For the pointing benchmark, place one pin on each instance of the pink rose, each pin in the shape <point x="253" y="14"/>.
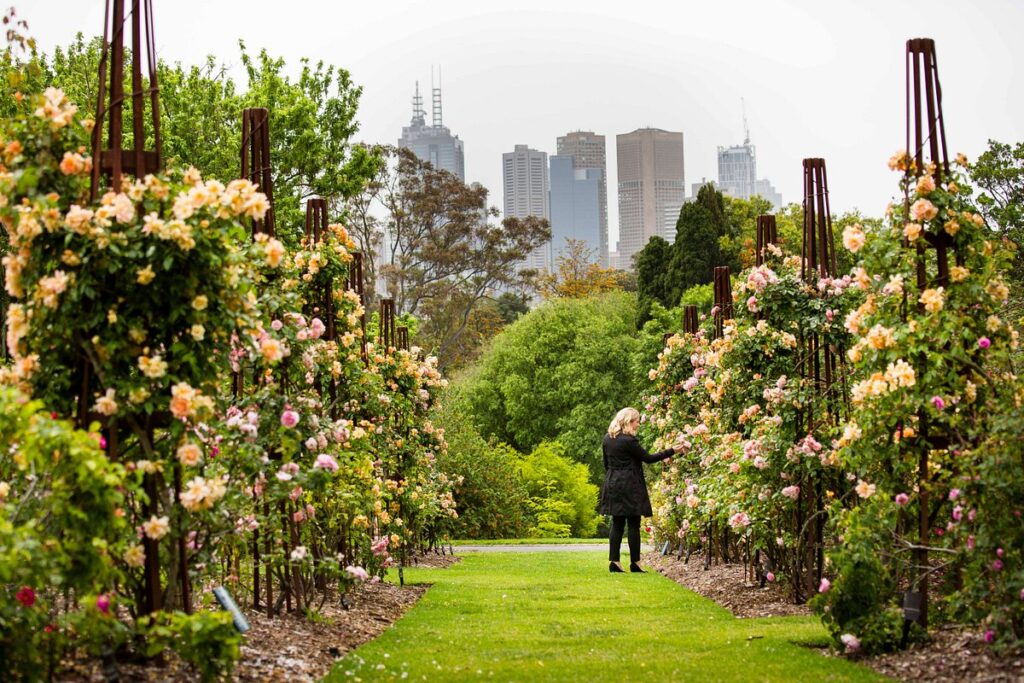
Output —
<point x="954" y="494"/>
<point x="938" y="402"/>
<point x="289" y="418"/>
<point x="997" y="566"/>
<point x="770" y="576"/>
<point x="103" y="603"/>
<point x="902" y="499"/>
<point x="326" y="462"/>
<point x="792" y="492"/>
<point x="990" y="636"/>
<point x="825" y="586"/>
<point x="984" y="342"/>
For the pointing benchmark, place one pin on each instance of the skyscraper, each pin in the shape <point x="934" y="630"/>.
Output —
<point x="651" y="188"/>
<point x="737" y="172"/>
<point x="525" y="179"/>
<point x="575" y="206"/>
<point x="588" y="152"/>
<point x="434" y="143"/>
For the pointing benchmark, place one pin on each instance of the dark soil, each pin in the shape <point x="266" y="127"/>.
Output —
<point x="951" y="653"/>
<point x="289" y="647"/>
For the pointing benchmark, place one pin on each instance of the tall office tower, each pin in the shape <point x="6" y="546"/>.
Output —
<point x="651" y="188"/>
<point x="588" y="152"/>
<point x="575" y="207"/>
<point x="737" y="170"/>
<point x="434" y="143"/>
<point x="525" y="176"/>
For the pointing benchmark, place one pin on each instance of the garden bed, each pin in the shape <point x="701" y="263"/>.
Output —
<point x="724" y="584"/>
<point x="290" y="647"/>
<point x="952" y="654"/>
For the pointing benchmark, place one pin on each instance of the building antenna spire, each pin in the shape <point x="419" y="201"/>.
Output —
<point x="436" y="96"/>
<point x="746" y="128"/>
<point x="418" y="115"/>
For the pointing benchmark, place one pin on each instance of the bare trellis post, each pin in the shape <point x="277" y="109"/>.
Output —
<point x="690" y="321"/>
<point x="256" y="162"/>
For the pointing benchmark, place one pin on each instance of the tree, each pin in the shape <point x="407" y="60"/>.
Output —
<point x="652" y="277"/>
<point x="442" y="256"/>
<point x="999" y="173"/>
<point x="696" y="252"/>
<point x="312" y="121"/>
<point x="559" y="373"/>
<point x="579" y="274"/>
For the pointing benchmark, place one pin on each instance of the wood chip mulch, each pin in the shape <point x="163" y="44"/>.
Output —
<point x="290" y="647"/>
<point x="724" y="584"/>
<point x="951" y="654"/>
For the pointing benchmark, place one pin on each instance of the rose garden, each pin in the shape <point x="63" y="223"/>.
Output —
<point x="207" y="403"/>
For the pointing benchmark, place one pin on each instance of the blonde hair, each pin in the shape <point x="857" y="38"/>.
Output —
<point x="622" y="424"/>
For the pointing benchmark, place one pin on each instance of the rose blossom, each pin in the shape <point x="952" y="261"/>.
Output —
<point x="984" y="342"/>
<point x="357" y="573"/>
<point x="770" y="576"/>
<point x="938" y="402"/>
<point x="997" y="566"/>
<point x="26" y="596"/>
<point x="902" y="498"/>
<point x="289" y="418"/>
<point x="851" y="642"/>
<point x="990" y="636"/>
<point x="326" y="462"/>
<point x="103" y="603"/>
<point x="791" y="492"/>
<point x="954" y="494"/>
<point x="825" y="586"/>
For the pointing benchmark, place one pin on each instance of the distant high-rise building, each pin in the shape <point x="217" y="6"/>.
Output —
<point x="737" y="173"/>
<point x="525" y="178"/>
<point x="588" y="152"/>
<point x="651" y="188"/>
<point x="737" y="170"/>
<point x="574" y="206"/>
<point x="434" y="143"/>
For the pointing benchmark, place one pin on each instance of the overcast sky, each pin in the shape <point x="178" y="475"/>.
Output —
<point x="819" y="78"/>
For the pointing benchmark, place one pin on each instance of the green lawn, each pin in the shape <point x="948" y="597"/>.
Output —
<point x="532" y="541"/>
<point x="560" y="616"/>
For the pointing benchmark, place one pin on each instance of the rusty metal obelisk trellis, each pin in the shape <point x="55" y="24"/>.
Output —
<point x="256" y="161"/>
<point x="386" y="333"/>
<point x="819" y="363"/>
<point x="111" y="161"/>
<point x="690" y="320"/>
<point x="723" y="297"/>
<point x="767" y="233"/>
<point x="316" y="228"/>
<point x="926" y="145"/>
<point x="355" y="283"/>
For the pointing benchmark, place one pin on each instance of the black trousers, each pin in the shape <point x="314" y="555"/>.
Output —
<point x="615" y="537"/>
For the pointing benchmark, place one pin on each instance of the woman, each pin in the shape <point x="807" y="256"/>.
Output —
<point x="624" y="494"/>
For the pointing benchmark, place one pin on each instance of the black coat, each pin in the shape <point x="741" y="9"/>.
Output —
<point x="625" y="490"/>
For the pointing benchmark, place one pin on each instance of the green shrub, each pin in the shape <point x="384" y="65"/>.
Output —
<point x="562" y="499"/>
<point x="489" y="492"/>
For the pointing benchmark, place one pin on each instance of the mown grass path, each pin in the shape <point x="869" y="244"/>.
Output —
<point x="560" y="616"/>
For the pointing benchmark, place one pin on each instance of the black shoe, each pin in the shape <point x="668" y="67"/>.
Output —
<point x="635" y="568"/>
<point x="615" y="568"/>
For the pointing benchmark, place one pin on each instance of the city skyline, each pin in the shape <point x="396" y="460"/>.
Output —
<point x="511" y="77"/>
